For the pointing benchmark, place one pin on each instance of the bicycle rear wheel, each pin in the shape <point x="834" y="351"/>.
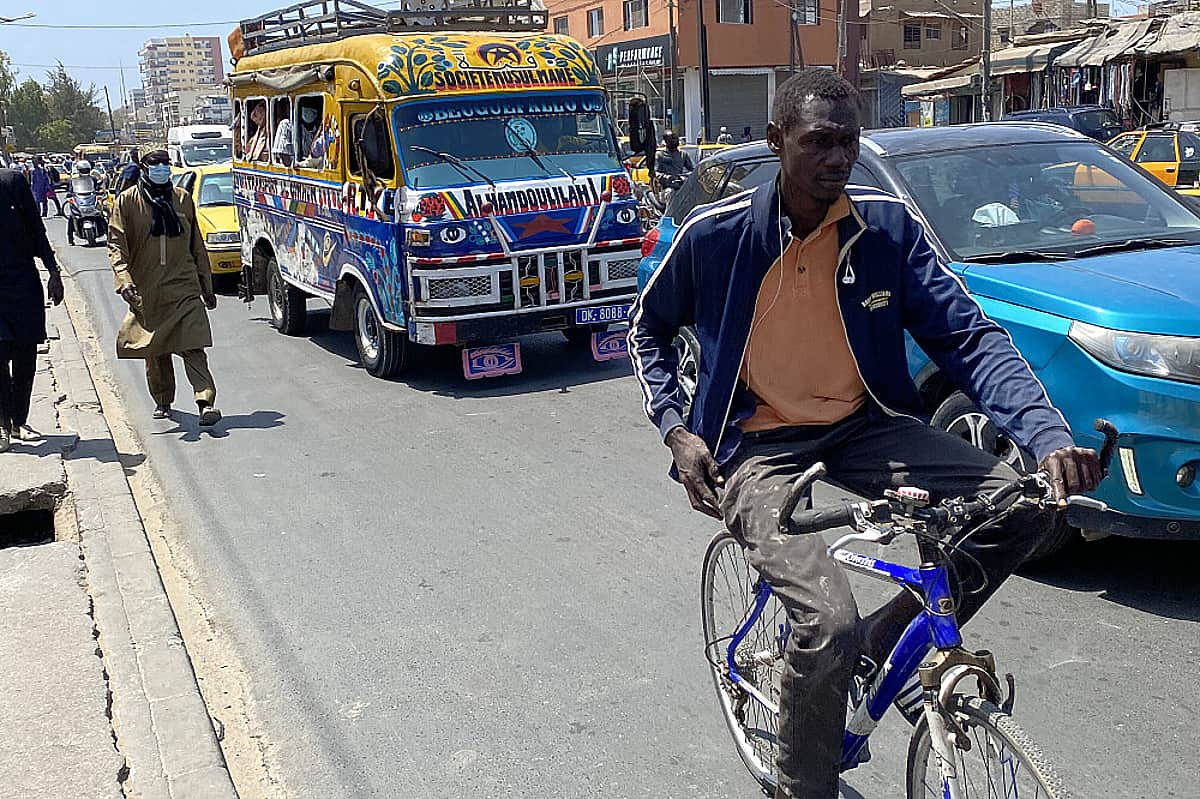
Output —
<point x="1002" y="761"/>
<point x="727" y="596"/>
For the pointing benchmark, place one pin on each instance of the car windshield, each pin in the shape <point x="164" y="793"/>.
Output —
<point x="1095" y="120"/>
<point x="567" y="133"/>
<point x="213" y="152"/>
<point x="1045" y="198"/>
<point x="216" y="190"/>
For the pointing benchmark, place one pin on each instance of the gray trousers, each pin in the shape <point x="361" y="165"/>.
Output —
<point x="865" y="458"/>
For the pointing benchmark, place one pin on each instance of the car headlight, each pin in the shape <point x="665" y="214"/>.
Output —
<point x="1171" y="357"/>
<point x="224" y="237"/>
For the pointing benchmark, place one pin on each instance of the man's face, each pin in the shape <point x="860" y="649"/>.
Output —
<point x="817" y="153"/>
<point x="258" y="115"/>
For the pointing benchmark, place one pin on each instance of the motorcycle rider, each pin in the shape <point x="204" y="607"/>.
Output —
<point x="83" y="170"/>
<point x="673" y="162"/>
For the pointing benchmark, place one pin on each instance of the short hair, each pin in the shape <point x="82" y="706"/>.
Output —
<point x="807" y="84"/>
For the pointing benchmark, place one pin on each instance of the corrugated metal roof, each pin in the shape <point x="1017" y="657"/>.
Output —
<point x="939" y="15"/>
<point x="1031" y="58"/>
<point x="958" y="80"/>
<point x="1180" y="33"/>
<point x="1098" y="51"/>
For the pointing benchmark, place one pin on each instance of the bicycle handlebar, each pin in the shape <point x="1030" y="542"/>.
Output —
<point x="816" y="520"/>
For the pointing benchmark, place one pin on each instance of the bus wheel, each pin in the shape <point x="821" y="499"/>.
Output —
<point x="289" y="310"/>
<point x="383" y="352"/>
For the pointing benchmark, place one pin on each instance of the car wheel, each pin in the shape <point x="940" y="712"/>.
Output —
<point x="289" y="312"/>
<point x="687" y="347"/>
<point x="383" y="352"/>
<point x="959" y="417"/>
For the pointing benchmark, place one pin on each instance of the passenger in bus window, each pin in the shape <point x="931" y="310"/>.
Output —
<point x="257" y="148"/>
<point x="311" y="136"/>
<point x="283" y="148"/>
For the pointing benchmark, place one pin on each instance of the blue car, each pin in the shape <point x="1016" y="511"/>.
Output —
<point x="1090" y="264"/>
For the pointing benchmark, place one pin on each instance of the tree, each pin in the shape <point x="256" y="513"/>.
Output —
<point x="56" y="136"/>
<point x="27" y="111"/>
<point x="8" y="78"/>
<point x="70" y="102"/>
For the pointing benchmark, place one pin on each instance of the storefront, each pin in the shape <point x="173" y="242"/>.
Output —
<point x="638" y="67"/>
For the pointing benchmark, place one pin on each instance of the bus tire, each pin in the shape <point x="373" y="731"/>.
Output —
<point x="289" y="311"/>
<point x="382" y="352"/>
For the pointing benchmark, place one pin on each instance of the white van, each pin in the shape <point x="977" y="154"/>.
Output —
<point x="199" y="145"/>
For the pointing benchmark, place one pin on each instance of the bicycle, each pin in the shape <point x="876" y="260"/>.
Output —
<point x="746" y="655"/>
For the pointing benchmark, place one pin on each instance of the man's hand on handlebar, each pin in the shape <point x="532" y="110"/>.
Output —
<point x="697" y="470"/>
<point x="1072" y="470"/>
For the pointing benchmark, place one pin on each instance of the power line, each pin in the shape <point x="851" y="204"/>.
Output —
<point x="120" y="27"/>
<point x="73" y="66"/>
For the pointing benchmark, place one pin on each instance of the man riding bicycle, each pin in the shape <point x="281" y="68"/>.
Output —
<point x="800" y="293"/>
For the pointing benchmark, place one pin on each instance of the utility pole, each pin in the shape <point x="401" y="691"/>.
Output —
<point x="702" y="50"/>
<point x="124" y="100"/>
<point x="111" y="125"/>
<point x="840" y="57"/>
<point x="670" y="110"/>
<point x="985" y="64"/>
<point x="791" y="39"/>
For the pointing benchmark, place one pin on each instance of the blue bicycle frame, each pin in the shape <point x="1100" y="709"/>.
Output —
<point x="935" y="627"/>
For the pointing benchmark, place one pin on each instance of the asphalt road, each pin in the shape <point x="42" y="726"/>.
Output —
<point x="442" y="588"/>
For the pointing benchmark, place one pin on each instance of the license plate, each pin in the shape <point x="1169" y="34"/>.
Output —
<point x="601" y="314"/>
<point x="610" y="346"/>
<point x="493" y="361"/>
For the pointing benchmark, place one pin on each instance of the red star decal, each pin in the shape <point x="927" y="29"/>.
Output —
<point x="541" y="224"/>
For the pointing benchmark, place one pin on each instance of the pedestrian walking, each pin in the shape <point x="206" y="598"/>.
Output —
<point x="724" y="137"/>
<point x="39" y="182"/>
<point x="161" y="270"/>
<point x="22" y="304"/>
<point x="55" y="177"/>
<point x="746" y="137"/>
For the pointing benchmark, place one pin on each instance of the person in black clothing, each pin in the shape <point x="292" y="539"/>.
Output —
<point x="672" y="160"/>
<point x="22" y="304"/>
<point x="55" y="178"/>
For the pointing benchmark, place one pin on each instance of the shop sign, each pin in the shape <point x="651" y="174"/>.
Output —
<point x="652" y="52"/>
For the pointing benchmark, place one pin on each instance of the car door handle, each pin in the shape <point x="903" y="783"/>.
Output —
<point x="1170" y="169"/>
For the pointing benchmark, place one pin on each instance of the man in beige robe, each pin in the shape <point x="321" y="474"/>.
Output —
<point x="161" y="270"/>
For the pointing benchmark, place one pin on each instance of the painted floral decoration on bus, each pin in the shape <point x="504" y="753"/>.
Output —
<point x="454" y="64"/>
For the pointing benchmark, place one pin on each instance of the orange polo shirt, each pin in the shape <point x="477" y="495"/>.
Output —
<point x="798" y="362"/>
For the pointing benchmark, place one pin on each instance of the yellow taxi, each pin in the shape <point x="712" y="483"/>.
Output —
<point x="639" y="173"/>
<point x="211" y="188"/>
<point x="1171" y="155"/>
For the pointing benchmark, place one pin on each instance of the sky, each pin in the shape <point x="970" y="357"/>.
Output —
<point x="107" y="44"/>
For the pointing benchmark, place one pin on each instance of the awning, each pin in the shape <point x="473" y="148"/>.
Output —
<point x="1031" y="58"/>
<point x="939" y="15"/>
<point x="941" y="86"/>
<point x="1114" y="43"/>
<point x="1180" y="33"/>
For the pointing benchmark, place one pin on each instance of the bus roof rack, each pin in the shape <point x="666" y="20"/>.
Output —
<point x="317" y="21"/>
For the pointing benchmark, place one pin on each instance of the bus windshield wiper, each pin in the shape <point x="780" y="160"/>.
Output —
<point x="528" y="150"/>
<point x="461" y="166"/>
<point x="1133" y="244"/>
<point x="1016" y="257"/>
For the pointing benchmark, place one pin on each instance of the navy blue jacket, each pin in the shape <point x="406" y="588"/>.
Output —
<point x="889" y="280"/>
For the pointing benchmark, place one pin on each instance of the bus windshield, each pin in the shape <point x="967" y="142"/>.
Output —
<point x="210" y="152"/>
<point x="457" y="142"/>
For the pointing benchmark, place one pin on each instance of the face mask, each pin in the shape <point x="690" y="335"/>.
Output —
<point x="159" y="173"/>
<point x="308" y="115"/>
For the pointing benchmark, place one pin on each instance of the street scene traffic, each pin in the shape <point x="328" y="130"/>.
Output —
<point x="471" y="399"/>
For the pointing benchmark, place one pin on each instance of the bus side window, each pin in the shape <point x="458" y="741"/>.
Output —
<point x="312" y="132"/>
<point x="376" y="146"/>
<point x="258" y="133"/>
<point x="237" y="128"/>
<point x="282" y="145"/>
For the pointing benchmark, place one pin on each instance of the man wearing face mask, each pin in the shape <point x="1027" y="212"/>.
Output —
<point x="162" y="271"/>
<point x="312" y="139"/>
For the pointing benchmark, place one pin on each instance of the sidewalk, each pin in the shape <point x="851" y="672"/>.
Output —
<point x="101" y="700"/>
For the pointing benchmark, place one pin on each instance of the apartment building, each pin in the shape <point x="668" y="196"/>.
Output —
<point x="748" y="54"/>
<point x="203" y="105"/>
<point x="178" y="63"/>
<point x="920" y="33"/>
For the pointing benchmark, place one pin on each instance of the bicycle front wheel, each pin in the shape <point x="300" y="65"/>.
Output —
<point x="727" y="598"/>
<point x="1002" y="760"/>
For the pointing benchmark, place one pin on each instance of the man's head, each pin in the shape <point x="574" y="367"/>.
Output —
<point x="814" y="131"/>
<point x="37" y="161"/>
<point x="156" y="158"/>
<point x="258" y="114"/>
<point x="671" y="140"/>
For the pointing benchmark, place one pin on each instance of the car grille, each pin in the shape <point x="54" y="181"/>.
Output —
<point x="623" y="270"/>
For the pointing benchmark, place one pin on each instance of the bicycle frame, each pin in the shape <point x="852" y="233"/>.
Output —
<point x="935" y="627"/>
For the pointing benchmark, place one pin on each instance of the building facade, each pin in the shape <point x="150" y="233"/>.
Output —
<point x="748" y="53"/>
<point x="176" y="64"/>
<point x="204" y="105"/>
<point x="1044" y="16"/>
<point x="920" y="33"/>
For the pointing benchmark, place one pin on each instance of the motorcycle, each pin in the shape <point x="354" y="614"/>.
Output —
<point x="87" y="217"/>
<point x="656" y="197"/>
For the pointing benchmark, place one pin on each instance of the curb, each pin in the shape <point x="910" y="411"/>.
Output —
<point x="161" y="722"/>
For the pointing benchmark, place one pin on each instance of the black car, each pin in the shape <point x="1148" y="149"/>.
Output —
<point x="1096" y="121"/>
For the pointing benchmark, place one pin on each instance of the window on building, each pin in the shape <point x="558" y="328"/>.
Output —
<point x="808" y="12"/>
<point x="312" y="132"/>
<point x="635" y="14"/>
<point x="737" y="12"/>
<point x="962" y="38"/>
<point x="561" y="26"/>
<point x="372" y="130"/>
<point x="933" y="31"/>
<point x="912" y="36"/>
<point x="595" y="22"/>
<point x="1004" y="33"/>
